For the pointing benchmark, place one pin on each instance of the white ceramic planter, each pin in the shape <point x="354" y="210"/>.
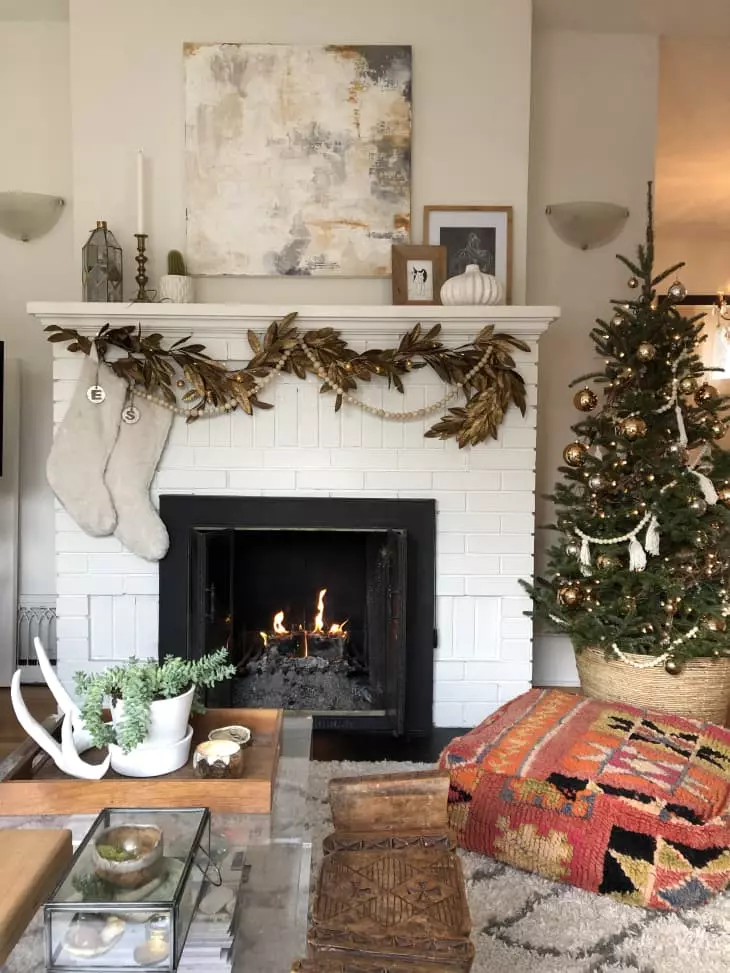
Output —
<point x="472" y="287"/>
<point x="147" y="761"/>
<point x="168" y="721"/>
<point x="176" y="289"/>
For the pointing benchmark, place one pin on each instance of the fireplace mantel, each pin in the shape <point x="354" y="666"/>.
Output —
<point x="380" y="322"/>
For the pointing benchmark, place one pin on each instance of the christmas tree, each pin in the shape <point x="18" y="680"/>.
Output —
<point x="643" y="560"/>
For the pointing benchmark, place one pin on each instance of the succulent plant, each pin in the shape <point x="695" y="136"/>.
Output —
<point x="176" y="264"/>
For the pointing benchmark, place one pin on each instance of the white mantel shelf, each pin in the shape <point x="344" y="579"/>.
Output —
<point x="220" y="320"/>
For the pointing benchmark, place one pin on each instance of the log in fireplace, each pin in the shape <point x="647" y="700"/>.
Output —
<point x="326" y="605"/>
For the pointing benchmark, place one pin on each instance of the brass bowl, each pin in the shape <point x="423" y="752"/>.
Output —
<point x="140" y="849"/>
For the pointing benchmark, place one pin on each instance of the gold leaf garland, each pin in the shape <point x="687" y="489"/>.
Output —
<point x="484" y="370"/>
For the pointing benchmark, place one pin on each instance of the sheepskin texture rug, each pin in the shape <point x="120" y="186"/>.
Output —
<point x="522" y="923"/>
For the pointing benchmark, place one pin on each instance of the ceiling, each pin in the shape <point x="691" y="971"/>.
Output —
<point x="33" y="10"/>
<point x="667" y="17"/>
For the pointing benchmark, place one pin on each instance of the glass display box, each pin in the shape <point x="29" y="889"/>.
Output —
<point x="129" y="895"/>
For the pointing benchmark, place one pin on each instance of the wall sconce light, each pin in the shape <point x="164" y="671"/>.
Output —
<point x="587" y="225"/>
<point x="27" y="216"/>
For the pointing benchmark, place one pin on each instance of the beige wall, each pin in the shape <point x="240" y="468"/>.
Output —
<point x="471" y="92"/>
<point x="693" y="148"/>
<point x="35" y="156"/>
<point x="592" y="137"/>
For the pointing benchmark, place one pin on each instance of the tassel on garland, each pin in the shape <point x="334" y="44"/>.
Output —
<point x="637" y="555"/>
<point x="706" y="485"/>
<point x="651" y="544"/>
<point x="681" y="429"/>
<point x="585" y="554"/>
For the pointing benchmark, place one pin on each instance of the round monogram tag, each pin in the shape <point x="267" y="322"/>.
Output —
<point x="95" y="394"/>
<point x="131" y="415"/>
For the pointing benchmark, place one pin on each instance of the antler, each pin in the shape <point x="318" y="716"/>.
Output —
<point x="74" y="736"/>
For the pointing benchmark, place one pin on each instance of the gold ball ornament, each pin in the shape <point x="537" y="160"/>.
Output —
<point x="570" y="595"/>
<point x="632" y="428"/>
<point x="585" y="400"/>
<point x="572" y="549"/>
<point x="646" y="351"/>
<point x="633" y="283"/>
<point x="698" y="506"/>
<point x="688" y="385"/>
<point x="711" y="623"/>
<point x="704" y="393"/>
<point x="672" y="667"/>
<point x="717" y="430"/>
<point x="608" y="562"/>
<point x="574" y="454"/>
<point x="597" y="481"/>
<point x="677" y="291"/>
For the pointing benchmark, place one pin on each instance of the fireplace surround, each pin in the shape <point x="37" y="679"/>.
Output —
<point x="235" y="562"/>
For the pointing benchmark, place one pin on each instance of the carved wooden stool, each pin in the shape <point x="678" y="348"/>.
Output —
<point x="391" y="895"/>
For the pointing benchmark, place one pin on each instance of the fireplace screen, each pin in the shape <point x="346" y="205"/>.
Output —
<point x="313" y="619"/>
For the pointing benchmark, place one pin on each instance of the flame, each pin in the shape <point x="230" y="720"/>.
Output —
<point x="264" y="638"/>
<point x="319" y="617"/>
<point x="337" y="628"/>
<point x="279" y="624"/>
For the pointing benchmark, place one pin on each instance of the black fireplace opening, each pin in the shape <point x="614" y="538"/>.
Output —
<point x="326" y="606"/>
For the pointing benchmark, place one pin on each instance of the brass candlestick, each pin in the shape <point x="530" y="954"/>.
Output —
<point x="141" y="278"/>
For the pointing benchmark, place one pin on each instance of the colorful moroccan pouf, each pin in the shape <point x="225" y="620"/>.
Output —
<point x="613" y="799"/>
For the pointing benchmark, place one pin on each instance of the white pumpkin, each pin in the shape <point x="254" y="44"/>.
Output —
<point x="472" y="287"/>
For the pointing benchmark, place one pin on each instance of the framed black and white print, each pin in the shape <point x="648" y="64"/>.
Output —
<point x="418" y="273"/>
<point x="479" y="235"/>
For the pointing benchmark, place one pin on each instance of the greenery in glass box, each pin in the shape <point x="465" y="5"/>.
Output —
<point x="139" y="683"/>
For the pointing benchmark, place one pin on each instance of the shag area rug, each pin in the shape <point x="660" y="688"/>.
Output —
<point x="522" y="923"/>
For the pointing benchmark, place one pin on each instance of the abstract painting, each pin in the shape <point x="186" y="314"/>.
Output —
<point x="298" y="159"/>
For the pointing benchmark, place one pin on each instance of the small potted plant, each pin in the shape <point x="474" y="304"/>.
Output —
<point x="150" y="706"/>
<point x="175" y="285"/>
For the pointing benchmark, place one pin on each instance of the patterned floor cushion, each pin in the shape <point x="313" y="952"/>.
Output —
<point x="610" y="798"/>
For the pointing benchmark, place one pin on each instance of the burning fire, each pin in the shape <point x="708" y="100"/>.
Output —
<point x="278" y="625"/>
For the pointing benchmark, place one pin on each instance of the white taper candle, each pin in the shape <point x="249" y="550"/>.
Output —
<point x="140" y="191"/>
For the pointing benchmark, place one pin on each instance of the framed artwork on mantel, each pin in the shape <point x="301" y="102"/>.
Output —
<point x="298" y="158"/>
<point x="418" y="273"/>
<point x="479" y="235"/>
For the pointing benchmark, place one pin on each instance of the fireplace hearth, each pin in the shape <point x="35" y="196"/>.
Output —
<point x="326" y="606"/>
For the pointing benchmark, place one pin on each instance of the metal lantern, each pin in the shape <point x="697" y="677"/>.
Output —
<point x="102" y="266"/>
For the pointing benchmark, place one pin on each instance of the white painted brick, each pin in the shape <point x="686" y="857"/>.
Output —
<point x="531" y="395"/>
<point x="296" y="459"/>
<point x="222" y="458"/>
<point x="124" y="563"/>
<point x="511" y="690"/>
<point x="469" y="480"/>
<point x="518" y="650"/>
<point x="239" y="350"/>
<point x="220" y="431"/>
<point x="467" y="564"/>
<point x="497" y="671"/>
<point x="517" y="524"/>
<point x="198" y="433"/>
<point x="449" y="671"/>
<point x="123" y="627"/>
<point x="285" y="414"/>
<point x="450" y="586"/>
<point x="500" y="543"/>
<point x="516" y="628"/>
<point x="365" y="459"/>
<point x="142" y="584"/>
<point x="464" y="630"/>
<point x="503" y="503"/>
<point x="71" y="563"/>
<point x="446" y="502"/>
<point x="519" y="438"/>
<point x="245" y="481"/>
<point x="241" y="429"/>
<point x="469" y="522"/>
<point x="90" y="584"/>
<point x="516" y="607"/>
<point x="393" y="432"/>
<point x="331" y="480"/>
<point x="475" y="713"/>
<point x="145" y="644"/>
<point x="450" y="543"/>
<point x="486" y="628"/>
<point x="493" y="587"/>
<point x="72" y="628"/>
<point x="102" y="636"/>
<point x="308" y="405"/>
<point x="423" y="459"/>
<point x="75" y="651"/>
<point x="518" y="480"/>
<point x="190" y="480"/>
<point x="466" y="692"/>
<point x="264" y="427"/>
<point x="414" y="398"/>
<point x="370" y="495"/>
<point x="372" y="426"/>
<point x="76" y="541"/>
<point x="491" y="457"/>
<point x="445" y="625"/>
<point x="521" y="565"/>
<point x="330" y="422"/>
<point x="514" y="418"/>
<point x="448" y="714"/>
<point x="381" y="479"/>
<point x="351" y="425"/>
<point x="72" y="605"/>
<point x="179" y="458"/>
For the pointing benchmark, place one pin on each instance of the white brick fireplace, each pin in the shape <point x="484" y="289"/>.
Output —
<point x="107" y="597"/>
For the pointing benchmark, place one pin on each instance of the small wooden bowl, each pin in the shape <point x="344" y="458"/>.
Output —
<point x="218" y="760"/>
<point x="143" y="842"/>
